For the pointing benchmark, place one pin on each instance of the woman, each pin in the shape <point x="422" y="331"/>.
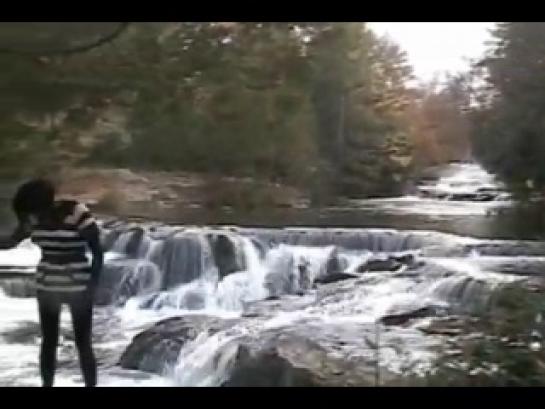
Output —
<point x="64" y="230"/>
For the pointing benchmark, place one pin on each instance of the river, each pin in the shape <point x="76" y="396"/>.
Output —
<point x="322" y="283"/>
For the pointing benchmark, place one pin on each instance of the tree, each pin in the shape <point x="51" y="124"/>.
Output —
<point x="42" y="99"/>
<point x="509" y="124"/>
<point x="50" y="39"/>
<point x="440" y="120"/>
<point x="358" y="85"/>
<point x="298" y="103"/>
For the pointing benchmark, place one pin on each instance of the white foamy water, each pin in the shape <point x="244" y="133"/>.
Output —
<point x="432" y="207"/>
<point x="457" y="179"/>
<point x="26" y="254"/>
<point x="204" y="361"/>
<point x="268" y="266"/>
<point x="19" y="358"/>
<point x="207" y="360"/>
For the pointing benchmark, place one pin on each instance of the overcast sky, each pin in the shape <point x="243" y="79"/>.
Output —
<point x="437" y="47"/>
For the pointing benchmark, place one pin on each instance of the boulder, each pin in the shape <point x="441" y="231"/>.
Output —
<point x="333" y="270"/>
<point x="284" y="361"/>
<point x="225" y="255"/>
<point x="407" y="259"/>
<point x="403" y="318"/>
<point x="303" y="354"/>
<point x="307" y="351"/>
<point x="159" y="346"/>
<point x="388" y="264"/>
<point x="334" y="277"/>
<point x="134" y="243"/>
<point x="308" y="354"/>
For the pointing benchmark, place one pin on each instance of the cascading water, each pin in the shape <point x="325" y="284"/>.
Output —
<point x="459" y="190"/>
<point x="308" y="282"/>
<point x="394" y="278"/>
<point x="205" y="361"/>
<point x="244" y="286"/>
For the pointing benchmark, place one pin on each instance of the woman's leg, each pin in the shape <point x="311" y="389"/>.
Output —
<point x="49" y="308"/>
<point x="81" y="307"/>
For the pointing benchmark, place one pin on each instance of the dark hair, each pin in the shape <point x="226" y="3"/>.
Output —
<point x="34" y="197"/>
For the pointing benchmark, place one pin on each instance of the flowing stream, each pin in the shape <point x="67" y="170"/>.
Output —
<point x="327" y="285"/>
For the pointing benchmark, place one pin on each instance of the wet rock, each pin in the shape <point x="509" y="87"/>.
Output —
<point x="155" y="348"/>
<point x="403" y="318"/>
<point x="274" y="364"/>
<point x="473" y="197"/>
<point x="334" y="277"/>
<point x="310" y="353"/>
<point x="134" y="243"/>
<point x="225" y="255"/>
<point x="333" y="272"/>
<point x="407" y="259"/>
<point x="272" y="298"/>
<point x="388" y="264"/>
<point x="304" y="352"/>
<point x="451" y="326"/>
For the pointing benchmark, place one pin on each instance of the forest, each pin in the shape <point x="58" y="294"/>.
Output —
<point x="330" y="108"/>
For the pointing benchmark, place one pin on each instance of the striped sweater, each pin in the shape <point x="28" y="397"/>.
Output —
<point x="64" y="266"/>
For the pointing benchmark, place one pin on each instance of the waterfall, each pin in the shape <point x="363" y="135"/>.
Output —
<point x="204" y="269"/>
<point x="468" y="289"/>
<point x="329" y="285"/>
<point x="205" y="361"/>
<point x="244" y="286"/>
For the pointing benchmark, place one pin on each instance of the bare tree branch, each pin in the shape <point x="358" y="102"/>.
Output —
<point x="69" y="51"/>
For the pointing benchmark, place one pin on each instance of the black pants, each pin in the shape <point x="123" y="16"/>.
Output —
<point x="81" y="309"/>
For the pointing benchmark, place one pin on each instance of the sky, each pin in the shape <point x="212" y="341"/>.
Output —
<point x="437" y="47"/>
